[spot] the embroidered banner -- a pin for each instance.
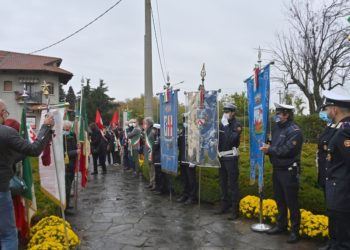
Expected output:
(202, 132)
(258, 110)
(168, 131)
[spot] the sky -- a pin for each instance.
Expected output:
(223, 34)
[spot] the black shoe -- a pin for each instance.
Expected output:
(149, 186)
(153, 189)
(276, 230)
(233, 216)
(182, 199)
(68, 213)
(224, 208)
(189, 201)
(293, 238)
(94, 173)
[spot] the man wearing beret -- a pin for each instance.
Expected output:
(337, 185)
(229, 138)
(284, 153)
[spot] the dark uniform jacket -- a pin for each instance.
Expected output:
(181, 141)
(98, 142)
(11, 144)
(229, 136)
(71, 149)
(338, 169)
(286, 145)
(156, 150)
(322, 151)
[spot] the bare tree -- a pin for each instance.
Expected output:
(315, 53)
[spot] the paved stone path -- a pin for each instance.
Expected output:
(116, 211)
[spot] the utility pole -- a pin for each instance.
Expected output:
(148, 61)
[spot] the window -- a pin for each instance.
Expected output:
(51, 88)
(7, 85)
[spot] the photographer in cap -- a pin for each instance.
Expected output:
(11, 147)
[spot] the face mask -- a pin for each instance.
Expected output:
(324, 117)
(64, 132)
(277, 118)
(185, 125)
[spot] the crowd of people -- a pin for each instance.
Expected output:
(125, 147)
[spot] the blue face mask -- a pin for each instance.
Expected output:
(324, 117)
(277, 118)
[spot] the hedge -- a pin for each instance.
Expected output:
(310, 195)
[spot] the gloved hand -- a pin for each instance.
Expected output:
(224, 120)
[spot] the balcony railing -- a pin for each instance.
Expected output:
(33, 97)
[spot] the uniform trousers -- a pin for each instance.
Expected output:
(228, 174)
(285, 189)
(339, 229)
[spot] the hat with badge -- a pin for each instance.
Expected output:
(334, 99)
(284, 107)
(229, 106)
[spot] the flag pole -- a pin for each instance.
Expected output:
(45, 88)
(260, 227)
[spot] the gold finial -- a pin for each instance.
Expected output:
(45, 88)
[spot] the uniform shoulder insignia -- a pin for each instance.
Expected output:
(347, 143)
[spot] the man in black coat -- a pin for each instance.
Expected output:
(70, 149)
(12, 147)
(338, 172)
(284, 153)
(187, 170)
(229, 139)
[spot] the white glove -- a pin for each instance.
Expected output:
(224, 120)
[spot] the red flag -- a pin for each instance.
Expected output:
(46, 156)
(83, 164)
(98, 119)
(115, 119)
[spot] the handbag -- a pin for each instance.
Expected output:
(17, 185)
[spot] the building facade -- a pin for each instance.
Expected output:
(19, 72)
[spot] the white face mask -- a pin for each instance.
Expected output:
(64, 132)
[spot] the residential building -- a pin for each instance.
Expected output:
(19, 71)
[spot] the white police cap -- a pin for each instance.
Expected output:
(229, 106)
(284, 107)
(335, 99)
(156, 125)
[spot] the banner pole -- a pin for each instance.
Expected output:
(199, 191)
(45, 88)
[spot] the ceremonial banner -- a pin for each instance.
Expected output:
(258, 88)
(202, 132)
(168, 131)
(48, 178)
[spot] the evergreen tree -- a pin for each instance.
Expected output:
(71, 99)
(62, 94)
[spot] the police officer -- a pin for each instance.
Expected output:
(322, 148)
(338, 172)
(229, 139)
(284, 153)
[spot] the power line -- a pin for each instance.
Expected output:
(159, 56)
(161, 37)
(76, 32)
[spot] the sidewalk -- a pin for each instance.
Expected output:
(116, 211)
